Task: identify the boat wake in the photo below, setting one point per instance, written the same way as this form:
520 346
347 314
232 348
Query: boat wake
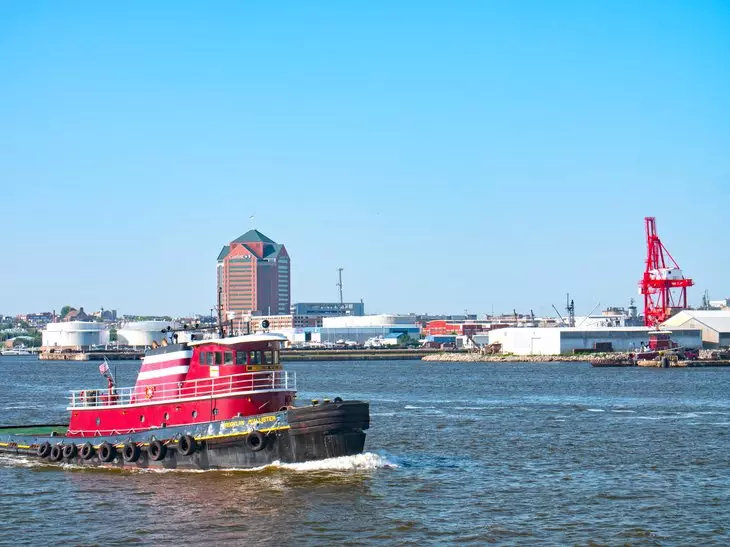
369 461
359 462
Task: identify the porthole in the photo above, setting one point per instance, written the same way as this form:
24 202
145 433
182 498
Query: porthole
215 412
141 418
98 420
167 415
195 413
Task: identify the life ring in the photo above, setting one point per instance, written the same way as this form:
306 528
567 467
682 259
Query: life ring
107 452
87 451
186 445
130 452
43 450
255 441
69 451
149 392
156 451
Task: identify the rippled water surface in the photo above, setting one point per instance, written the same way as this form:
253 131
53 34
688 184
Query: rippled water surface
470 453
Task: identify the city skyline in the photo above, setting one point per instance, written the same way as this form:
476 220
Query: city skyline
490 157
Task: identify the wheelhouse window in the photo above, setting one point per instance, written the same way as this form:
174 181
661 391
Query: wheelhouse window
254 358
201 357
240 357
218 357
209 358
228 358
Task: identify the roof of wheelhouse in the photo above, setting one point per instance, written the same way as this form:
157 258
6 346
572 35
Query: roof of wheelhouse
233 340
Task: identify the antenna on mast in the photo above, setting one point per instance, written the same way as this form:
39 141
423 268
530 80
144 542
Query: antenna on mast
570 308
339 286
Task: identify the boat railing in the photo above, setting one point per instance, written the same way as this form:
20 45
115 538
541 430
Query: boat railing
249 382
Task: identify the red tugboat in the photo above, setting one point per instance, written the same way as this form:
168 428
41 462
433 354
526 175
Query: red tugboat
207 404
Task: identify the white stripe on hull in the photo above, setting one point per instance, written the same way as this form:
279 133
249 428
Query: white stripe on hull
152 359
161 373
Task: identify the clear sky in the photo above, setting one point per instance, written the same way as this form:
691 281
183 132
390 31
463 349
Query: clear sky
449 155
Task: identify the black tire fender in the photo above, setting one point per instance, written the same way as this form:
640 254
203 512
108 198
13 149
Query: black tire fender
107 452
255 441
69 451
156 451
87 451
130 452
43 450
56 453
186 445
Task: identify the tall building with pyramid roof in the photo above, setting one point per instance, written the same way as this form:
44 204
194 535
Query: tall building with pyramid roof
254 274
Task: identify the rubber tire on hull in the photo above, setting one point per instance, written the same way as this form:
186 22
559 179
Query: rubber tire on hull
56 453
130 452
255 441
69 451
156 451
107 452
87 451
186 445
43 450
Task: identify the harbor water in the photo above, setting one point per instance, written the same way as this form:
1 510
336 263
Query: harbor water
504 453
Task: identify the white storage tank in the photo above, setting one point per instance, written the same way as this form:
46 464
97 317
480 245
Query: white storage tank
143 333
75 334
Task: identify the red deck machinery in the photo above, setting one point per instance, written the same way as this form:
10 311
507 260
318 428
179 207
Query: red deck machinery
664 286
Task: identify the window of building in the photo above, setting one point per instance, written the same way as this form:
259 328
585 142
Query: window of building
228 358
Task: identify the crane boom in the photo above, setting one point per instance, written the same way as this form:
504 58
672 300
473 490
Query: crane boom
663 285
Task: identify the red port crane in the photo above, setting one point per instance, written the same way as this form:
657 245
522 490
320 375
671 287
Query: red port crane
664 286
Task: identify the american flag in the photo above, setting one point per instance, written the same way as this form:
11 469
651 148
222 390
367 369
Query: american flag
104 368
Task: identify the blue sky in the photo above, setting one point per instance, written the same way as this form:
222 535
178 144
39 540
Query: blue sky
469 155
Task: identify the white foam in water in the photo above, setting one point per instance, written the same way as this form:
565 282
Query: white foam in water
471 408
412 407
595 410
359 462
623 410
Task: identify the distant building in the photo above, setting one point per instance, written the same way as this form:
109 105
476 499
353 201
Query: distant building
254 274
714 324
38 319
278 322
456 327
143 333
328 309
77 315
563 340
75 334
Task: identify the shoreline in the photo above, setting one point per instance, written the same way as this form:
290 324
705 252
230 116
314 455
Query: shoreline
477 358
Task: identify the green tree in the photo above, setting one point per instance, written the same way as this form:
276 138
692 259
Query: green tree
65 310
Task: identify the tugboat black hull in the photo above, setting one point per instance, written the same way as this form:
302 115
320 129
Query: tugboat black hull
297 435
